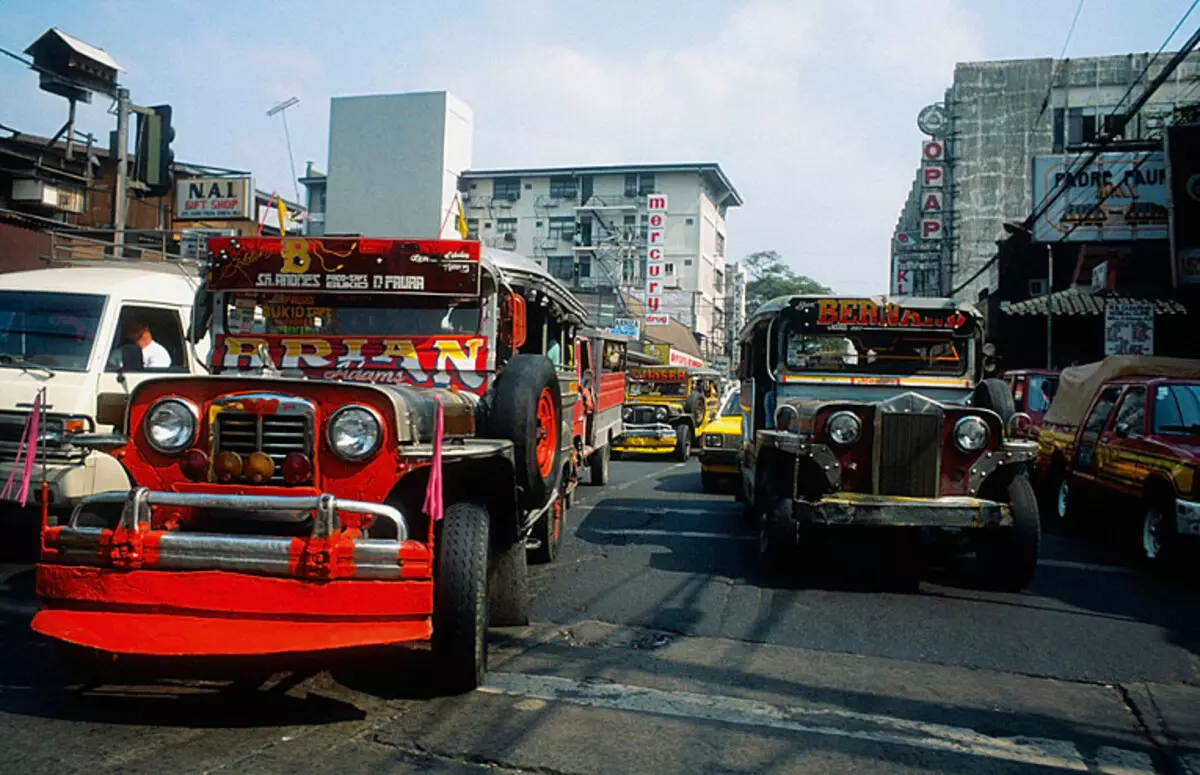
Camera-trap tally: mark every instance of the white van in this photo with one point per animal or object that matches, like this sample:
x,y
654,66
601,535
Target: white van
x,y
65,329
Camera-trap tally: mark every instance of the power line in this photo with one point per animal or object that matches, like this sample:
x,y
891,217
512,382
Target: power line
x,y
1054,69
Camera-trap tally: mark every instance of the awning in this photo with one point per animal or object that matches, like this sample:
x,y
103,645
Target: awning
x,y
1081,301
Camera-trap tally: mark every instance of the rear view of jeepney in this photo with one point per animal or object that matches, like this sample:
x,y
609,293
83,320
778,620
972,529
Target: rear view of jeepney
x,y
330,485
863,413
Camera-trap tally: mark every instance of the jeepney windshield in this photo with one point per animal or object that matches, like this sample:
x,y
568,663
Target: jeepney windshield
x,y
348,315
660,389
889,353
55,330
732,406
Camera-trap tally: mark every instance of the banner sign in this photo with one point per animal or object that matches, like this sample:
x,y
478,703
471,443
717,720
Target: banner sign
x,y
1119,197
657,374
1183,178
1128,327
214,199
656,245
426,267
434,361
677,358
843,314
630,327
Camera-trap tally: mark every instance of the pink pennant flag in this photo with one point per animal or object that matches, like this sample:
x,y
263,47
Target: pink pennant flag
x,y
434,505
26,452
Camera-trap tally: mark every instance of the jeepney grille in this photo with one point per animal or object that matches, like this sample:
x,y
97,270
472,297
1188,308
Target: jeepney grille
x,y
275,434
909,452
644,415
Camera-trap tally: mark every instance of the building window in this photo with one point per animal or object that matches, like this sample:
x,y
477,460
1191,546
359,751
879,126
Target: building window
x,y
507,188
487,225
645,184
687,262
691,221
720,245
631,186
563,187
561,267
585,266
668,268
562,227
472,228
644,231
506,225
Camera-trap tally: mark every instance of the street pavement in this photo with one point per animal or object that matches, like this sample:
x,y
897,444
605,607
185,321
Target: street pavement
x,y
657,647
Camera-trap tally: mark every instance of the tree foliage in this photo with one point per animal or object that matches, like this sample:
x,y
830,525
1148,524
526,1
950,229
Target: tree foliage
x,y
768,277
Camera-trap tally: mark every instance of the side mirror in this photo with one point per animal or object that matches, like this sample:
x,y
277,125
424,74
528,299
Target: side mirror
x,y
1122,429
111,409
201,315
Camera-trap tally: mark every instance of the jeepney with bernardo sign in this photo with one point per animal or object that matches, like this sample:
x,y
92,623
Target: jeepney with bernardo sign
x,y
872,413
381,442
663,407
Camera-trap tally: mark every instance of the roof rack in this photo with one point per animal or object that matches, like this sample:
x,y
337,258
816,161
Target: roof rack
x,y
75,250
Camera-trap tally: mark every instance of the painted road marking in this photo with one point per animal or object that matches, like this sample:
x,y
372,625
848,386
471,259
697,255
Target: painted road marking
x,y
647,533
662,512
867,727
1088,566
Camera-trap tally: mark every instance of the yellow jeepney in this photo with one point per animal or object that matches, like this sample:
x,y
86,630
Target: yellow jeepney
x,y
663,407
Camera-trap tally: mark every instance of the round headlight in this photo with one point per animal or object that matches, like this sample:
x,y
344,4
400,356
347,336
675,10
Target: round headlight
x,y
171,424
660,413
786,417
843,428
627,413
970,434
354,432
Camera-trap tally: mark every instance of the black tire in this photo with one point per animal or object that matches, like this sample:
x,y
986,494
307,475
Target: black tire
x,y
695,407
547,532
1058,508
599,466
776,544
460,597
519,390
508,587
1159,540
710,482
683,443
994,394
1008,556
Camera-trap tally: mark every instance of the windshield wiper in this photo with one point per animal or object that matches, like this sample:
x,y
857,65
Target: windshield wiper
x,y
25,365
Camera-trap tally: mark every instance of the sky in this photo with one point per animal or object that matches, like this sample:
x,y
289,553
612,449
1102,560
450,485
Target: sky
x,y
808,105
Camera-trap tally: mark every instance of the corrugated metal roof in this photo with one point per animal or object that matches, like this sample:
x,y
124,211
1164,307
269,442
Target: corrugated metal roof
x,y
1081,301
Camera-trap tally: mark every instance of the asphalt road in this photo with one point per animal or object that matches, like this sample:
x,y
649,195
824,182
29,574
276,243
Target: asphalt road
x,y
657,647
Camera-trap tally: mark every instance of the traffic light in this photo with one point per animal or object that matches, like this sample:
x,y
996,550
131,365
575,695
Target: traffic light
x,y
152,167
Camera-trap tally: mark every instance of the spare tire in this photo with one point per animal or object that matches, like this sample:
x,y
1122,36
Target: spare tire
x,y
527,410
994,394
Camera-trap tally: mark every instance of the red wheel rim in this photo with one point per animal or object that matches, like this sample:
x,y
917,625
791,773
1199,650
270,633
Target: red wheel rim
x,y
547,433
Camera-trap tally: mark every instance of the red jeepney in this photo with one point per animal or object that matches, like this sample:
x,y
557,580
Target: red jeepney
x,y
383,438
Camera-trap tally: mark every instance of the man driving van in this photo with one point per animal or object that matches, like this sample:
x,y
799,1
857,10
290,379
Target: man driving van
x,y
154,355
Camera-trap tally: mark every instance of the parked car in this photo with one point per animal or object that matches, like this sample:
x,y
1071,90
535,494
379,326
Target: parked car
x,y
720,443
871,413
1033,390
1125,432
384,439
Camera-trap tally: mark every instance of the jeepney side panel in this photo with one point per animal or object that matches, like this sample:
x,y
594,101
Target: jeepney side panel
x,y
609,403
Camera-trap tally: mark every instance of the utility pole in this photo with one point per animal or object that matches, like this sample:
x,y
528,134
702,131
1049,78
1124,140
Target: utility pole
x,y
1049,310
121,184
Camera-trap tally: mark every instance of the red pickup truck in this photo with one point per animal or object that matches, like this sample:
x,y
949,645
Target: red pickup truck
x,y
1125,433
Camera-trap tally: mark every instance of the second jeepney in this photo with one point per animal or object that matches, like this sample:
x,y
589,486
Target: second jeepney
x,y
872,413
664,405
389,427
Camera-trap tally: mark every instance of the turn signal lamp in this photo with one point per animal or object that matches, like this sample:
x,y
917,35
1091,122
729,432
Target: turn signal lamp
x,y
194,464
259,467
297,468
227,466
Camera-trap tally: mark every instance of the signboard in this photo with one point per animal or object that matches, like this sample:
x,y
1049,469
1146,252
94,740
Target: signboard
x,y
214,199
842,314
657,374
933,151
630,327
1119,197
436,361
1183,178
1128,327
656,245
677,358
932,120
346,265
659,351
915,274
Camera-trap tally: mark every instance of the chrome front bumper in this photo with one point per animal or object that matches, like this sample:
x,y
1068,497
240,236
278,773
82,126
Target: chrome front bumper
x,y
269,555
657,431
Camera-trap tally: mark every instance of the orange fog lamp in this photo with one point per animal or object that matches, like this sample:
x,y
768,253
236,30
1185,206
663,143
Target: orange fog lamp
x,y
297,468
259,467
227,466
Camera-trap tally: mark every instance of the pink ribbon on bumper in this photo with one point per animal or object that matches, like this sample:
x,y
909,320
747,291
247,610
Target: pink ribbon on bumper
x,y
434,505
26,452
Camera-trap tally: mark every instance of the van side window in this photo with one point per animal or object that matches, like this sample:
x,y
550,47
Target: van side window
x,y
154,330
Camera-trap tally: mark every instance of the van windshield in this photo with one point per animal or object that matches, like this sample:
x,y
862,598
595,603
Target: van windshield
x,y
51,329
348,315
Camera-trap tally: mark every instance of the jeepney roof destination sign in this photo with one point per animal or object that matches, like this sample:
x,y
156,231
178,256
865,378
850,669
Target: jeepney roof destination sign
x,y
345,265
841,314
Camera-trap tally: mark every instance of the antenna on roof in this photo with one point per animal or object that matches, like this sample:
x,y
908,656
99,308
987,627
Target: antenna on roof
x,y
281,109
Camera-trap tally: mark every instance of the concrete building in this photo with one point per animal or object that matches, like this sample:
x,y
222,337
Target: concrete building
x,y
735,307
588,227
315,185
394,162
997,117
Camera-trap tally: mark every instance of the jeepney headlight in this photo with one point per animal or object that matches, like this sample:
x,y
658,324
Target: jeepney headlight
x,y
713,440
627,413
354,432
660,413
970,434
843,428
170,424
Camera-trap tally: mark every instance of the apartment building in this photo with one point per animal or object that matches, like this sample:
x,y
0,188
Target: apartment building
x,y
588,226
